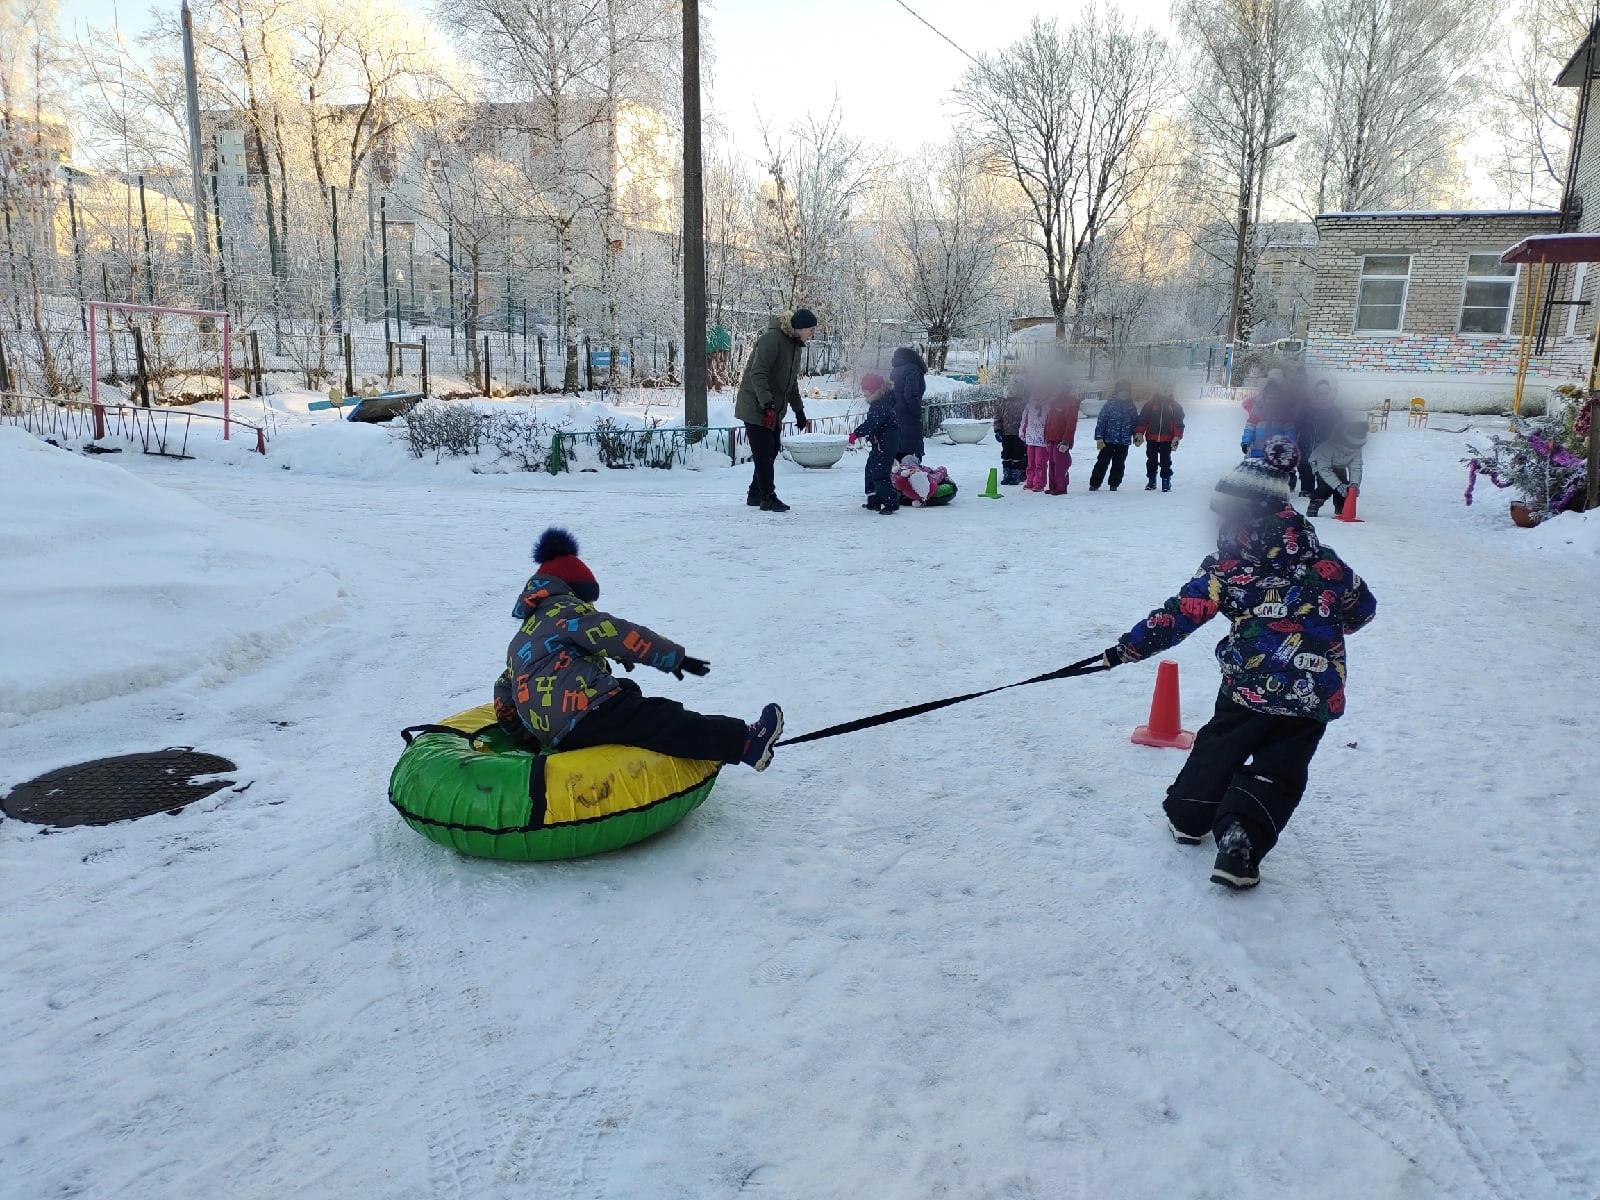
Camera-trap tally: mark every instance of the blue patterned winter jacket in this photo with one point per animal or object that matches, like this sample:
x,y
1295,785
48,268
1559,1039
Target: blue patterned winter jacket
x,y
1114,425
1291,601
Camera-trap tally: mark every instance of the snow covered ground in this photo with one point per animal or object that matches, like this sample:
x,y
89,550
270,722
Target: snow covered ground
x,y
956,957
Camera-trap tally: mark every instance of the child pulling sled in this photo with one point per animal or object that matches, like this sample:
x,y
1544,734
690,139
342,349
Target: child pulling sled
x,y
1291,602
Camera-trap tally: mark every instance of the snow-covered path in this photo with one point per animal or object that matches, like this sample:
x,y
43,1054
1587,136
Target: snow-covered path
x,y
956,957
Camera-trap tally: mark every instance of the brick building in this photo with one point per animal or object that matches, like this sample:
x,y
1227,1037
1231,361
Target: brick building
x,y
1418,303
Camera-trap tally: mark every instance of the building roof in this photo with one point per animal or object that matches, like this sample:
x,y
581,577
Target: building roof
x,y
1571,75
1456,213
1555,248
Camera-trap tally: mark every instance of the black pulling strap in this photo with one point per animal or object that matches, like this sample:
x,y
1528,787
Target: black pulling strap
x,y
1087,666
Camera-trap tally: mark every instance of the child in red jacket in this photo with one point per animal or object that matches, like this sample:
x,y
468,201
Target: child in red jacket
x,y
1060,433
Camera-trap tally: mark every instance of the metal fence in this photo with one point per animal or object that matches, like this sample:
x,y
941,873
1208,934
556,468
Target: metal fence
x,y
160,431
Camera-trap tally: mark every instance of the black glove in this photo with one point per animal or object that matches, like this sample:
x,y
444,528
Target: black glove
x,y
626,665
1244,447
694,666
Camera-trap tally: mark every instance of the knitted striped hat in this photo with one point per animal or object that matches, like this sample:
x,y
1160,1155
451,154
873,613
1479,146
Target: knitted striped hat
x,y
1258,485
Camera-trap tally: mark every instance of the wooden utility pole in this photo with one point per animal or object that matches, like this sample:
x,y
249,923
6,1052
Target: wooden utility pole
x,y
694,229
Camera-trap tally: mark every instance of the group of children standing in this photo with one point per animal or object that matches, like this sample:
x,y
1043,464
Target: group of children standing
x,y
1037,427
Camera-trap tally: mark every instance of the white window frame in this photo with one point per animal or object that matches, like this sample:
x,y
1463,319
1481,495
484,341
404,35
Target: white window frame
x,y
1515,279
1405,291
1578,277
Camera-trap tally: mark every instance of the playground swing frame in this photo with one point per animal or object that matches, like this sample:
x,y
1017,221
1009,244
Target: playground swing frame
x,y
222,318
1541,251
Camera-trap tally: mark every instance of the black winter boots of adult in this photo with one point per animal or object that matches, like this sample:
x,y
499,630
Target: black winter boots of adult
x,y
773,504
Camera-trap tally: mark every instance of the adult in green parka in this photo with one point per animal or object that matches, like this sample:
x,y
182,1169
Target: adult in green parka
x,y
770,387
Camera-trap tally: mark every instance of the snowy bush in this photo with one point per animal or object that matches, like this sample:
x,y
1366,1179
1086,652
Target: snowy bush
x,y
519,436
455,430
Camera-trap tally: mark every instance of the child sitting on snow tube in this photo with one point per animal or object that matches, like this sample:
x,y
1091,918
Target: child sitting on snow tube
x,y
558,692
921,485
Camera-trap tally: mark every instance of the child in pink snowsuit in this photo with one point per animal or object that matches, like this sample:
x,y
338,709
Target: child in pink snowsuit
x,y
916,482
1034,417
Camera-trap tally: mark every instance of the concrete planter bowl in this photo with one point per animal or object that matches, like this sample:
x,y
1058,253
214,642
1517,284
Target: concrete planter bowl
x,y
818,451
966,431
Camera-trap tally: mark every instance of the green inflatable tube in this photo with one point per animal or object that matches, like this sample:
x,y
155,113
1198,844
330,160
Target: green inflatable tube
x,y
464,784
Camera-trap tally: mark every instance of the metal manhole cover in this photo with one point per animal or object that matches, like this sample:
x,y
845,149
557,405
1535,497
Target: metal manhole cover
x,y
118,789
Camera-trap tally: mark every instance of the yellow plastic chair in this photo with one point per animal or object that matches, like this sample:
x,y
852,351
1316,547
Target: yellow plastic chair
x,y
1418,417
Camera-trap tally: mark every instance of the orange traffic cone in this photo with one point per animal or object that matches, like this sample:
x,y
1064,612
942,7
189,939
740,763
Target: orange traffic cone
x,y
1166,713
1348,512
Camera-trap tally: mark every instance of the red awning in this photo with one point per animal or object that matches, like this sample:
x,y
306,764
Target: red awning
x,y
1555,248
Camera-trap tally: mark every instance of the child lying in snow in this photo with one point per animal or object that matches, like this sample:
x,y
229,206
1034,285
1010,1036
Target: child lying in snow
x,y
916,482
557,690
1292,602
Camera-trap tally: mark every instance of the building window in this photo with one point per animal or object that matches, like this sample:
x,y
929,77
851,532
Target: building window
x,y
1381,300
1578,274
1486,302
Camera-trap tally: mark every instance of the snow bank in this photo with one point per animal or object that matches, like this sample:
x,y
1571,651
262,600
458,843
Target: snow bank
x,y
111,585
1569,533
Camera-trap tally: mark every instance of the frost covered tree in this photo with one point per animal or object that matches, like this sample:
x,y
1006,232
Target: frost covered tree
x,y
1389,84
947,227
1529,117
1063,112
817,178
1245,62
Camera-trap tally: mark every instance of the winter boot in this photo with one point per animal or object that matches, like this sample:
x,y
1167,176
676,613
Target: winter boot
x,y
1151,486
1182,838
773,504
753,497
873,503
1314,508
1237,866
764,735
1166,483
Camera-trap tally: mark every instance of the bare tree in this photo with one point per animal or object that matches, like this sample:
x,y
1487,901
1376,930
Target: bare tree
x,y
948,230
546,56
1245,58
1530,117
1391,81
816,177
1062,113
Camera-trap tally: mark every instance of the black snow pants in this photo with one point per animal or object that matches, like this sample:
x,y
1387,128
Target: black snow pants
x,y
1157,455
1326,489
1013,458
1245,766
1114,458
880,487
631,718
764,444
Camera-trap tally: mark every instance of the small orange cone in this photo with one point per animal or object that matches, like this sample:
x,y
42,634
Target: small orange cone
x,y
1348,512
1166,713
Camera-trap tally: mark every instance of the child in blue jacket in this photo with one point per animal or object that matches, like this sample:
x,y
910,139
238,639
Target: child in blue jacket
x,y
1113,434
882,428
1291,603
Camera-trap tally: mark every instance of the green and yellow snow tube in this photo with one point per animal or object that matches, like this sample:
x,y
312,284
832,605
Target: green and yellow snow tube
x,y
464,784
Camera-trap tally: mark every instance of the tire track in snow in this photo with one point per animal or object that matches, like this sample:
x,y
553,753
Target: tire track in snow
x,y
1380,1100
564,1144
457,1129
1372,1096
1505,1145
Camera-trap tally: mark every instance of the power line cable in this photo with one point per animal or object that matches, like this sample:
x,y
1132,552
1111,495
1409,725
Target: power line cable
x,y
939,32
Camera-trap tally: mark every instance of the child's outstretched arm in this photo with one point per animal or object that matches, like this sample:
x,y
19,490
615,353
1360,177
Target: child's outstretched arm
x,y
597,632
1196,603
